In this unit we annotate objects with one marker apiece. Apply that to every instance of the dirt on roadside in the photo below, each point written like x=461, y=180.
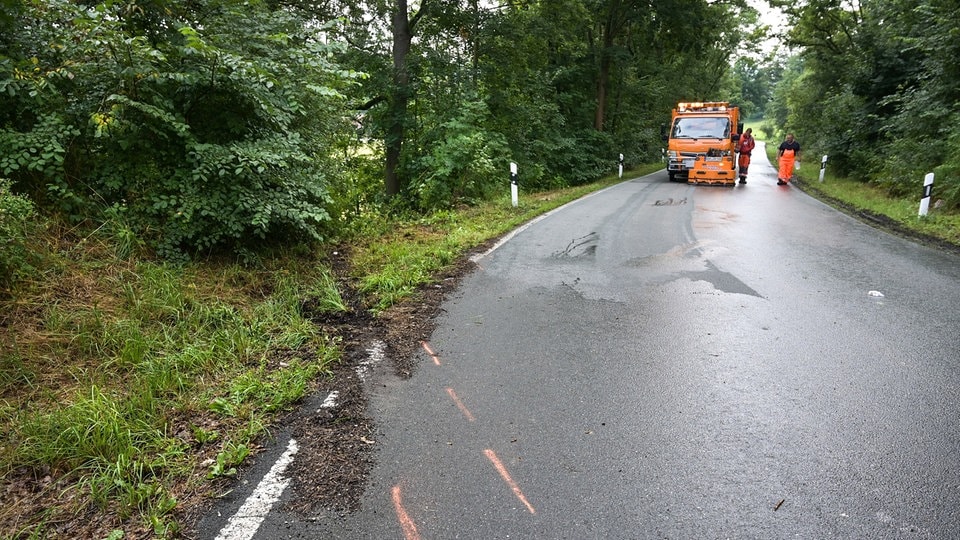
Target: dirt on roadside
x=336, y=444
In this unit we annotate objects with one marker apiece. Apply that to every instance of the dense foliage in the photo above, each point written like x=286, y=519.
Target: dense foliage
x=230, y=124
x=559, y=87
x=17, y=225
x=204, y=124
x=875, y=87
x=222, y=123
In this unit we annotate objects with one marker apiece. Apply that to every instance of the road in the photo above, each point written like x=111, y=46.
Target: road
x=659, y=360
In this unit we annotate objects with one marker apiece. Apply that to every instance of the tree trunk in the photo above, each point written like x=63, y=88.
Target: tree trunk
x=475, y=45
x=402, y=37
x=603, y=77
x=609, y=30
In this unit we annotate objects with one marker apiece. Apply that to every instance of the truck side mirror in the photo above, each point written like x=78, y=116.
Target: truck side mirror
x=663, y=132
x=740, y=127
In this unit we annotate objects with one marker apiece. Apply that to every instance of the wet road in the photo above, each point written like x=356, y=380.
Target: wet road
x=660, y=360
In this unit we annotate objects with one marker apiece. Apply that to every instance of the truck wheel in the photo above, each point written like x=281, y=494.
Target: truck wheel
x=672, y=175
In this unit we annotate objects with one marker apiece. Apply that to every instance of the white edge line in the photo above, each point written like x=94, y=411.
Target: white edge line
x=244, y=524
x=331, y=400
x=376, y=355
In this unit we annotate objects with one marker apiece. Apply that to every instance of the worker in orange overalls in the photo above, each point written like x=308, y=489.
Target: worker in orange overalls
x=788, y=153
x=745, y=146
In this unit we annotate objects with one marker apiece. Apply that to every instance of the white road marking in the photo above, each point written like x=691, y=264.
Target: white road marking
x=244, y=524
x=331, y=400
x=377, y=354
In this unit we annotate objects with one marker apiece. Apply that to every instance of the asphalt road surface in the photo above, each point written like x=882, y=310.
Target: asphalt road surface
x=660, y=360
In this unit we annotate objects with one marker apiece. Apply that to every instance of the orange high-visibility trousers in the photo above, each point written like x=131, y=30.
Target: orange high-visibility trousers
x=786, y=165
x=744, y=164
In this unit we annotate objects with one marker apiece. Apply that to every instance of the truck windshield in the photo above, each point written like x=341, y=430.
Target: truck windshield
x=701, y=128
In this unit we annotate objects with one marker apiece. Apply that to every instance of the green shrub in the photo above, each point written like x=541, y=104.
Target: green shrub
x=463, y=161
x=209, y=127
x=17, y=224
x=584, y=156
x=947, y=180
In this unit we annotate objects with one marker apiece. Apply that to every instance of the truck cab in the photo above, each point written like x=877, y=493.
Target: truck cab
x=701, y=143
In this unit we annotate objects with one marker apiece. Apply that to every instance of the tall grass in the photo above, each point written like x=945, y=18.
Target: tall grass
x=100, y=369
x=323, y=287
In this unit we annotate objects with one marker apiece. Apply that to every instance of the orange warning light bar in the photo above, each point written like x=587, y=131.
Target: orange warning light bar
x=700, y=106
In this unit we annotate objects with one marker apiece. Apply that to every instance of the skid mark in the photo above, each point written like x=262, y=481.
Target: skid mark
x=585, y=246
x=671, y=202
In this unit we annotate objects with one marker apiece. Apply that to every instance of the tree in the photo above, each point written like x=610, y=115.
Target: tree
x=889, y=116
x=403, y=27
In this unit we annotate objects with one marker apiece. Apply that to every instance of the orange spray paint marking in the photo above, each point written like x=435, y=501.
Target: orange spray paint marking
x=506, y=478
x=407, y=524
x=463, y=408
x=432, y=354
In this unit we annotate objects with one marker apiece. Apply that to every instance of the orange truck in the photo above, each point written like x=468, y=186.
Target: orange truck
x=702, y=143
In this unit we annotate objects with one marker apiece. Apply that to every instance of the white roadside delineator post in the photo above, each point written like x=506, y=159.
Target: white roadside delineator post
x=927, y=192
x=513, y=184
x=621, y=167
x=823, y=167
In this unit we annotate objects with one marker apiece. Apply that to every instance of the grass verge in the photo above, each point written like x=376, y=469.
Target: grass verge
x=127, y=385
x=876, y=206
